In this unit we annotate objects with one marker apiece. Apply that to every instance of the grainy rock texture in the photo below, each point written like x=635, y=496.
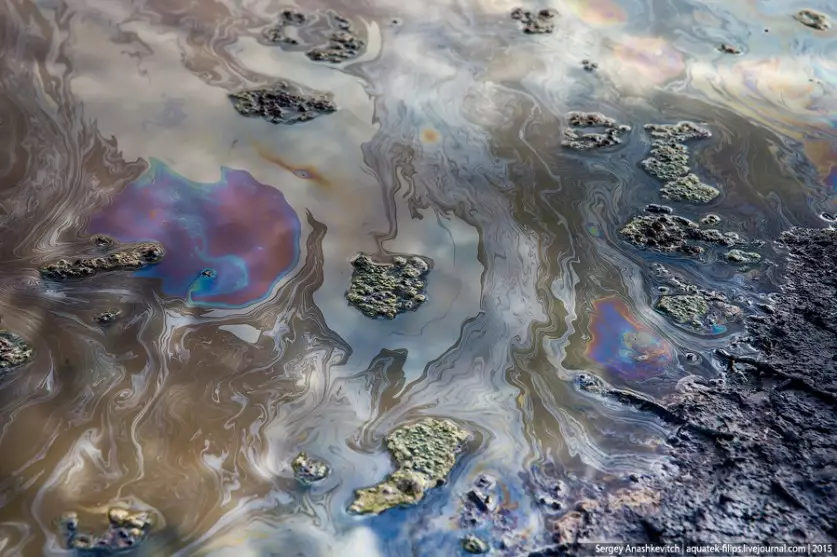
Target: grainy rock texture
x=574, y=138
x=673, y=233
x=535, y=23
x=325, y=36
x=387, y=289
x=128, y=258
x=425, y=452
x=308, y=470
x=282, y=103
x=668, y=162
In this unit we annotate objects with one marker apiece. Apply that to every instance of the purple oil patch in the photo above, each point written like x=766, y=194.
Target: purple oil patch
x=227, y=243
x=623, y=345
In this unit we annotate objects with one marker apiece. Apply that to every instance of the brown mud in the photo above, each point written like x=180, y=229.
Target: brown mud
x=753, y=459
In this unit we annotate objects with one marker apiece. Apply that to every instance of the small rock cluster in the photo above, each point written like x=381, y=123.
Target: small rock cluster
x=672, y=233
x=742, y=257
x=727, y=48
x=484, y=509
x=128, y=258
x=126, y=529
x=282, y=103
x=669, y=162
x=308, y=470
x=387, y=289
x=14, y=351
x=107, y=316
x=424, y=453
x=342, y=43
x=813, y=19
x=574, y=139
x=535, y=23
x=687, y=304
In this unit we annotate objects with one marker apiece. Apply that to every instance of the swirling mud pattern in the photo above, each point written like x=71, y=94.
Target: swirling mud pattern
x=233, y=392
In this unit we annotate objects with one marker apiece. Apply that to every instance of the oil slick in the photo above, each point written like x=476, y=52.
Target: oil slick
x=624, y=346
x=227, y=242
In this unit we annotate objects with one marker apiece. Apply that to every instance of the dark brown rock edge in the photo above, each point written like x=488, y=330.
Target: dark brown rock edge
x=755, y=455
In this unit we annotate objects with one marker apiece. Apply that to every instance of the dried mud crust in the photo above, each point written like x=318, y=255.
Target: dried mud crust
x=333, y=34
x=129, y=257
x=282, y=103
x=755, y=453
x=574, y=138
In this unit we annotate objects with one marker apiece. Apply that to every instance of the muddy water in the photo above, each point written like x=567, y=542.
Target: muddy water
x=446, y=144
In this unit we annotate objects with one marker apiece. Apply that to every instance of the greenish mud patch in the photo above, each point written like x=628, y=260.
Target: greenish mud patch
x=424, y=453
x=685, y=309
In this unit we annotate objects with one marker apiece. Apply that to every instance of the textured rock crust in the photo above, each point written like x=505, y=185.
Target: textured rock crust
x=574, y=138
x=668, y=162
x=14, y=351
x=128, y=258
x=308, y=470
x=282, y=103
x=387, y=289
x=755, y=454
x=535, y=23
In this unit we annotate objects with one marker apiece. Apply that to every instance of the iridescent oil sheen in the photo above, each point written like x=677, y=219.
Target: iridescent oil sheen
x=624, y=346
x=227, y=242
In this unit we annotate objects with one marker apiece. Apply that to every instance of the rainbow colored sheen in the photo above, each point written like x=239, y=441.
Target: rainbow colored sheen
x=227, y=243
x=652, y=60
x=598, y=13
x=623, y=346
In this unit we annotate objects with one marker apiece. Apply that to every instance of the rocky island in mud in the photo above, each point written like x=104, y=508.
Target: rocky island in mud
x=126, y=258
x=125, y=530
x=424, y=452
x=283, y=103
x=387, y=289
x=14, y=351
x=325, y=36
